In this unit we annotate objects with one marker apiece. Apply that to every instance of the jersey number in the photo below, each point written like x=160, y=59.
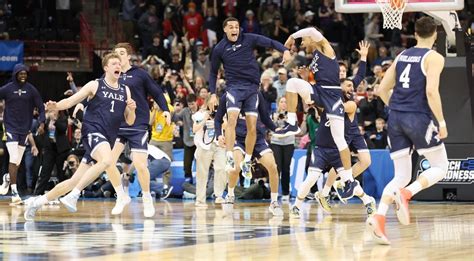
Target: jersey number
x=405, y=77
x=112, y=107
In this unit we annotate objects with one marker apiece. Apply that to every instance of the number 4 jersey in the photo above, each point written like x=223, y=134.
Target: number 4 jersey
x=409, y=94
x=105, y=111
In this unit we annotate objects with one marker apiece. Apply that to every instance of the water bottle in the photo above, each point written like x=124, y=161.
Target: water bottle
x=247, y=183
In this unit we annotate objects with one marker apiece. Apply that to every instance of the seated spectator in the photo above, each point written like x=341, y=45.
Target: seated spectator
x=158, y=164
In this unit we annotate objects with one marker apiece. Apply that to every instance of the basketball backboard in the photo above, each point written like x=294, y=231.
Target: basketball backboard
x=370, y=6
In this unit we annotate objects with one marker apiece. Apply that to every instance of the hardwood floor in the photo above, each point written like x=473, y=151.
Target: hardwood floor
x=179, y=231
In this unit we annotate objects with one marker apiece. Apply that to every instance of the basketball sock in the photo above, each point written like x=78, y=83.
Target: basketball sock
x=366, y=199
x=292, y=118
x=383, y=208
x=247, y=157
x=415, y=187
x=298, y=202
x=120, y=191
x=14, y=189
x=42, y=200
x=230, y=191
x=274, y=196
x=358, y=191
x=346, y=175
x=75, y=192
x=326, y=191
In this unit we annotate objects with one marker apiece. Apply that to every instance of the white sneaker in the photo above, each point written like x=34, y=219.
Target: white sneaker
x=16, y=200
x=285, y=198
x=148, y=207
x=295, y=212
x=5, y=187
x=31, y=208
x=120, y=204
x=187, y=195
x=275, y=209
x=228, y=205
x=219, y=200
x=70, y=202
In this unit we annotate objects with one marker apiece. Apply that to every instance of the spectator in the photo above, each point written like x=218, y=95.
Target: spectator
x=280, y=84
x=268, y=16
x=268, y=91
x=148, y=26
x=382, y=56
x=162, y=137
x=308, y=19
x=379, y=138
x=342, y=70
x=159, y=163
x=250, y=24
x=77, y=148
x=283, y=149
x=326, y=13
x=211, y=24
x=193, y=22
x=278, y=31
x=373, y=35
x=156, y=48
x=202, y=66
x=63, y=14
x=184, y=118
x=298, y=23
x=128, y=22
x=55, y=149
x=368, y=111
x=70, y=165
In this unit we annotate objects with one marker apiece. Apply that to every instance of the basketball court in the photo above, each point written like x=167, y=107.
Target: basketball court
x=179, y=231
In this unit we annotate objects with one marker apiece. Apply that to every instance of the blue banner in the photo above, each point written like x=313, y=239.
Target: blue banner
x=11, y=53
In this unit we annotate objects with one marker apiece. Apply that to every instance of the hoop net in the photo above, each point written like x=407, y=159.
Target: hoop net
x=392, y=11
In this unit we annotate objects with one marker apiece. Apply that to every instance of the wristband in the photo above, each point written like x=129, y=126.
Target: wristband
x=442, y=124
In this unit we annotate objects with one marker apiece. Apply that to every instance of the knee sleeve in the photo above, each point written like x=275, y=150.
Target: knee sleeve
x=438, y=160
x=402, y=175
x=13, y=151
x=337, y=132
x=21, y=151
x=301, y=87
x=313, y=175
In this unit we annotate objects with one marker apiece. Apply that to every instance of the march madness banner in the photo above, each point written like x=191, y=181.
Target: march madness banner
x=11, y=53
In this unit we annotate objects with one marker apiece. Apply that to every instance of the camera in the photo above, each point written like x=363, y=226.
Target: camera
x=281, y=116
x=71, y=163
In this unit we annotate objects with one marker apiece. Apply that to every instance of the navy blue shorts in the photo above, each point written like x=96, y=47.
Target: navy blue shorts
x=243, y=99
x=91, y=142
x=137, y=139
x=324, y=159
x=20, y=138
x=330, y=98
x=357, y=143
x=408, y=129
x=261, y=147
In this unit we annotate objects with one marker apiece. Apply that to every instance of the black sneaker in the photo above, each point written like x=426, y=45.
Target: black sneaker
x=347, y=191
x=166, y=192
x=287, y=130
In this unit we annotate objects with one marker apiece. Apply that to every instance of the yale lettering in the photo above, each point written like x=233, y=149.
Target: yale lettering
x=113, y=96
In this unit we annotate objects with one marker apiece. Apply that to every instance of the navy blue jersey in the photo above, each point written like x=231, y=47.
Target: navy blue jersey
x=105, y=111
x=325, y=70
x=141, y=85
x=409, y=93
x=20, y=101
x=351, y=128
x=238, y=59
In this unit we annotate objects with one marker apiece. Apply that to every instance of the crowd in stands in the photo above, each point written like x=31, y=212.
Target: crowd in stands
x=173, y=41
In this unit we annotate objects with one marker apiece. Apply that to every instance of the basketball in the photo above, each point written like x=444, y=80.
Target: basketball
x=397, y=4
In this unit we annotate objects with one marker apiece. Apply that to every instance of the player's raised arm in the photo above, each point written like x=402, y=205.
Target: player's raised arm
x=434, y=66
x=263, y=41
x=215, y=64
x=88, y=90
x=387, y=84
x=316, y=36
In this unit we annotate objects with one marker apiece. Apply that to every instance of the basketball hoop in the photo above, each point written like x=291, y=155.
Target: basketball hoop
x=392, y=11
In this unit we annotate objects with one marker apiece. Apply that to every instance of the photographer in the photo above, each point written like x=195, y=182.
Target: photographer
x=71, y=165
x=208, y=150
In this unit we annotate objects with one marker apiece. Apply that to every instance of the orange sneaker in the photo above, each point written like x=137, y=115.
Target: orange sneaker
x=402, y=197
x=376, y=224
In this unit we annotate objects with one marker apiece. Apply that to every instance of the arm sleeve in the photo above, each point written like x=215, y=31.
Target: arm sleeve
x=39, y=104
x=360, y=74
x=264, y=114
x=311, y=32
x=156, y=92
x=219, y=117
x=215, y=64
x=263, y=41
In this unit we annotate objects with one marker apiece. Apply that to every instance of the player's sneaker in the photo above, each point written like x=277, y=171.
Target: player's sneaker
x=370, y=207
x=285, y=198
x=219, y=200
x=70, y=202
x=166, y=192
x=295, y=212
x=228, y=205
x=275, y=209
x=402, y=197
x=120, y=204
x=310, y=196
x=287, y=130
x=31, y=207
x=16, y=199
x=347, y=191
x=246, y=167
x=148, y=207
x=5, y=187
x=338, y=185
x=200, y=204
x=376, y=225
x=229, y=164
x=324, y=202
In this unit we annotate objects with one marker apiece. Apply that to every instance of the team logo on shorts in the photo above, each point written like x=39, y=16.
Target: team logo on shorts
x=460, y=171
